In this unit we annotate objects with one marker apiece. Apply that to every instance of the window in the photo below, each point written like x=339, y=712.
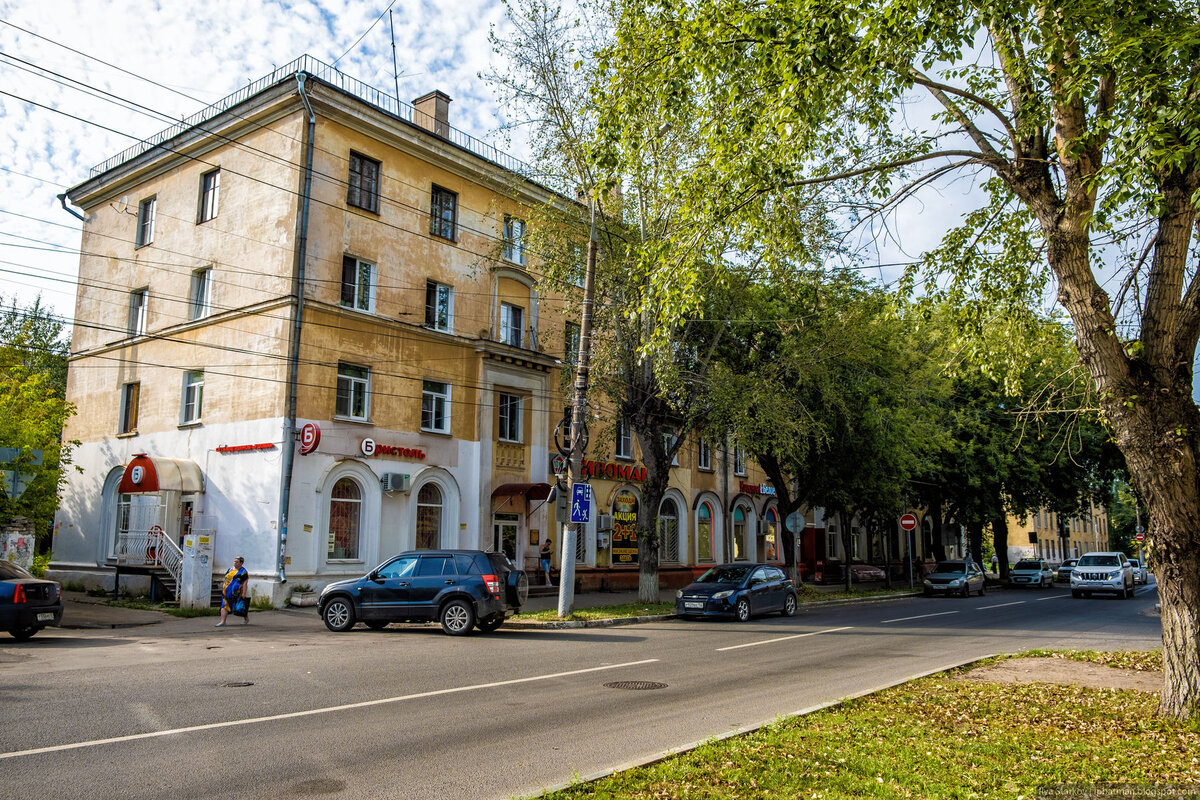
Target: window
x=571, y=340
x=439, y=306
x=668, y=531
x=435, y=407
x=429, y=517
x=514, y=240
x=145, y=229
x=353, y=391
x=739, y=534
x=510, y=417
x=193, y=396
x=739, y=461
x=443, y=213
x=624, y=443
x=200, y=299
x=130, y=394
x=358, y=284
x=345, y=519
x=669, y=439
x=137, y=311
x=210, y=195
x=512, y=323
x=363, y=184
x=704, y=531
x=577, y=260
x=703, y=455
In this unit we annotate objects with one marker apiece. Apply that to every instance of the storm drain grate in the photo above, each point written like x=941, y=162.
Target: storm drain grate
x=236, y=684
x=635, y=685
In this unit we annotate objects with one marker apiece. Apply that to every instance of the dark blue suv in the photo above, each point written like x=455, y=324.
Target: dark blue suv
x=460, y=589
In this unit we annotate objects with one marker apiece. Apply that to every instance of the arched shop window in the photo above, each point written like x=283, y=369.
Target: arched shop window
x=345, y=519
x=771, y=537
x=429, y=517
x=739, y=534
x=704, y=533
x=668, y=531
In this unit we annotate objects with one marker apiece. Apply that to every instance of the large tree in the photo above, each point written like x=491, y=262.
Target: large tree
x=1081, y=119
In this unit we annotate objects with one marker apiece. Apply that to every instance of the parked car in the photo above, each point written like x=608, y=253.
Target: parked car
x=1139, y=572
x=27, y=604
x=1063, y=573
x=1102, y=572
x=460, y=589
x=1031, y=572
x=866, y=572
x=739, y=591
x=955, y=577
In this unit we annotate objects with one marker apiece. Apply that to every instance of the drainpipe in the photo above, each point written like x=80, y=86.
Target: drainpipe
x=289, y=422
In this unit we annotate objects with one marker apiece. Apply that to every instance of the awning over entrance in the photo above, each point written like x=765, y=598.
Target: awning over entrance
x=532, y=491
x=145, y=474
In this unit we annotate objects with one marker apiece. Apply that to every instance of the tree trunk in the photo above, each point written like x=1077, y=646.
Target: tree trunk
x=975, y=540
x=847, y=550
x=1000, y=542
x=787, y=505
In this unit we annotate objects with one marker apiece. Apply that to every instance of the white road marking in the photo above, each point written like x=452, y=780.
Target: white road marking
x=314, y=711
x=1055, y=597
x=1002, y=605
x=920, y=616
x=783, y=638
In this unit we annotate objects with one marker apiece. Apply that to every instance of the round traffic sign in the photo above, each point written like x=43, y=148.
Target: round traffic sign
x=908, y=521
x=1140, y=537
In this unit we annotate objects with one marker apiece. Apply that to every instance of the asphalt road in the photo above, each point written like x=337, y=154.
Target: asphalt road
x=283, y=709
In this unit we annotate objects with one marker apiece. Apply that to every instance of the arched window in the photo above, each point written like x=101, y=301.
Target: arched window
x=668, y=531
x=429, y=517
x=771, y=539
x=345, y=519
x=704, y=533
x=739, y=534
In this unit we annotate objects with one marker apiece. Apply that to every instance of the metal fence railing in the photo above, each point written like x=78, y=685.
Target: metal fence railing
x=329, y=75
x=150, y=548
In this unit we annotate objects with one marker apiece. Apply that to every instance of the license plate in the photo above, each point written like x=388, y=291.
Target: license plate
x=46, y=617
x=693, y=605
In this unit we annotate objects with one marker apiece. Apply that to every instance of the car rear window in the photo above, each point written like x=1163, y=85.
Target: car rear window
x=10, y=571
x=436, y=565
x=500, y=562
x=466, y=565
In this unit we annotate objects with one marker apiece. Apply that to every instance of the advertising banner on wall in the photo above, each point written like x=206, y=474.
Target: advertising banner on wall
x=624, y=534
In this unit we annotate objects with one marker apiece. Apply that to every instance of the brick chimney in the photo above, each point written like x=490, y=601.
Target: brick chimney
x=432, y=112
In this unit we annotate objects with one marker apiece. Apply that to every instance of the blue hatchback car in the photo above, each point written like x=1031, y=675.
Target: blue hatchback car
x=739, y=591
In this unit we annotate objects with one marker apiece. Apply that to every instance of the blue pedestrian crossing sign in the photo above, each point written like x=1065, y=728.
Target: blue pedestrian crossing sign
x=581, y=502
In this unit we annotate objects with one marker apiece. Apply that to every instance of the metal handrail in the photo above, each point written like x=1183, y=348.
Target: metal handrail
x=151, y=548
x=327, y=74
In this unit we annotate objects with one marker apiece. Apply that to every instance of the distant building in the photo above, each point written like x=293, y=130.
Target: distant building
x=1045, y=535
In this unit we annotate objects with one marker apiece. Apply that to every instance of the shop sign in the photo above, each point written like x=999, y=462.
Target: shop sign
x=757, y=488
x=613, y=471
x=624, y=532
x=242, y=448
x=369, y=448
x=310, y=437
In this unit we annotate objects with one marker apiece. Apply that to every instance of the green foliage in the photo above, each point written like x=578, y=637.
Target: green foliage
x=40, y=562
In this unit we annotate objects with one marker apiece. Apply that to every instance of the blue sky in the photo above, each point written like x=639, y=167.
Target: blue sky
x=174, y=58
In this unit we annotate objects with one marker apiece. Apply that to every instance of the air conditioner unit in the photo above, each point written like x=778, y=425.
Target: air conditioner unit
x=604, y=522
x=395, y=482
x=764, y=527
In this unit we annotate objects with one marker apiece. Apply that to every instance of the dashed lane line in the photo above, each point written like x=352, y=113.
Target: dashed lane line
x=1002, y=605
x=784, y=638
x=920, y=616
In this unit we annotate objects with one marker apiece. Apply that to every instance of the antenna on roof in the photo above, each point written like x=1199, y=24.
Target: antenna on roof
x=395, y=69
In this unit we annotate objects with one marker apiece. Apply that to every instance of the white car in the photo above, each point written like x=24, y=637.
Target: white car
x=1139, y=571
x=1102, y=572
x=1031, y=572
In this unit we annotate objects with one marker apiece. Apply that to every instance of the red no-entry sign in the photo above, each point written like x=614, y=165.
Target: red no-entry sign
x=908, y=521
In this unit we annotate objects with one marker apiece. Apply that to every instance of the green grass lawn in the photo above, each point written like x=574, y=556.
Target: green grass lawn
x=936, y=737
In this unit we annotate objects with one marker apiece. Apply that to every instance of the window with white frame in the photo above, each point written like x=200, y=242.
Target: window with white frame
x=668, y=531
x=345, y=519
x=739, y=461
x=137, y=311
x=210, y=195
x=435, y=406
x=704, y=533
x=509, y=417
x=443, y=213
x=739, y=534
x=358, y=284
x=193, y=396
x=624, y=443
x=130, y=395
x=353, y=392
x=439, y=306
x=514, y=240
x=512, y=324
x=362, y=184
x=145, y=228
x=703, y=454
x=200, y=297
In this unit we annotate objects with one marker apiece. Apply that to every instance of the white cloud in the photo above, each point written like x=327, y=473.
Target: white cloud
x=196, y=53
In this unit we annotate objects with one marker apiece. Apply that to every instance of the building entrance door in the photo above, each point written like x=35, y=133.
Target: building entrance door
x=506, y=530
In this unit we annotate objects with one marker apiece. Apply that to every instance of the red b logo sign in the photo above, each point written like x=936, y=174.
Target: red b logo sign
x=310, y=437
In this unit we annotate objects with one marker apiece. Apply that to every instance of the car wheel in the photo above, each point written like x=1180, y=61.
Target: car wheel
x=789, y=605
x=966, y=590
x=982, y=589
x=928, y=593
x=376, y=624
x=1076, y=594
x=339, y=614
x=21, y=634
x=1129, y=593
x=490, y=623
x=742, y=610
x=457, y=618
